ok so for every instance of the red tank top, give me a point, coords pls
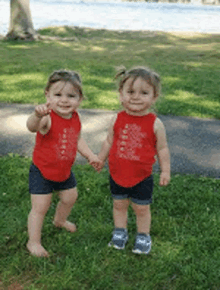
(55, 152)
(131, 157)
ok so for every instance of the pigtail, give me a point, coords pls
(156, 76)
(77, 76)
(157, 84)
(121, 72)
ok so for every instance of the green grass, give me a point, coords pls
(185, 234)
(189, 65)
(185, 215)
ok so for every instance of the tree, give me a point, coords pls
(21, 25)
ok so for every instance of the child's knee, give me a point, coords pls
(121, 204)
(40, 204)
(40, 211)
(141, 210)
(69, 197)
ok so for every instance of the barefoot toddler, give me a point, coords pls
(58, 139)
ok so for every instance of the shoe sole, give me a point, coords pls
(139, 252)
(116, 247)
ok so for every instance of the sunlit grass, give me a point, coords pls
(187, 62)
(190, 103)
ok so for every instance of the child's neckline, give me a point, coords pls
(62, 116)
(137, 116)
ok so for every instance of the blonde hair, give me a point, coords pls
(151, 77)
(66, 76)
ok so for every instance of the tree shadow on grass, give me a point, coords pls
(188, 64)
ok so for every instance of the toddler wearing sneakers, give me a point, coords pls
(134, 138)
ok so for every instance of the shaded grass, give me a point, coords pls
(189, 65)
(185, 233)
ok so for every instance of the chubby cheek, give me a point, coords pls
(123, 99)
(49, 101)
(74, 104)
(77, 101)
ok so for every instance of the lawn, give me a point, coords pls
(185, 233)
(189, 65)
(185, 215)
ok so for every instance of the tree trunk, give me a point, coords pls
(21, 26)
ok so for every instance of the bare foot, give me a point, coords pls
(71, 227)
(37, 250)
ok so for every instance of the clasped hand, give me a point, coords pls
(96, 163)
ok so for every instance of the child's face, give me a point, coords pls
(137, 98)
(63, 98)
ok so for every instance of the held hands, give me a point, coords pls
(42, 110)
(164, 178)
(95, 162)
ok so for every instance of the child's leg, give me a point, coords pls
(120, 212)
(40, 206)
(143, 217)
(120, 234)
(67, 199)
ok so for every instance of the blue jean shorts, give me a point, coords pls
(39, 185)
(141, 193)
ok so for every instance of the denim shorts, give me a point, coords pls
(39, 185)
(140, 193)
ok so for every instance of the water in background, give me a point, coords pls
(117, 15)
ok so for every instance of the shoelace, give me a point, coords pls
(143, 241)
(118, 236)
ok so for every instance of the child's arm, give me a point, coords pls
(106, 146)
(162, 152)
(40, 120)
(86, 152)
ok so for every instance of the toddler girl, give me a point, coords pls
(134, 138)
(58, 139)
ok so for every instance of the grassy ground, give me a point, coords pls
(189, 65)
(185, 233)
(185, 215)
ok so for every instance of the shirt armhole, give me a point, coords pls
(110, 135)
(157, 125)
